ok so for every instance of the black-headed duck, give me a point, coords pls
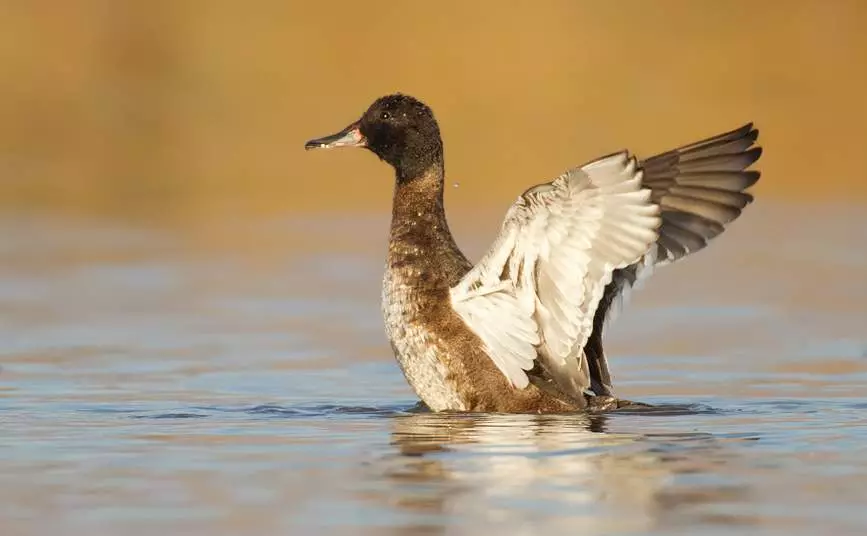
(521, 331)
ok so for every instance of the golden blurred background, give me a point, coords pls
(191, 111)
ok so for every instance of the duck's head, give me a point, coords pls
(399, 129)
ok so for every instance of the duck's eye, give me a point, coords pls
(385, 116)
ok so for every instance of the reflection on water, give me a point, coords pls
(498, 470)
(154, 384)
(551, 473)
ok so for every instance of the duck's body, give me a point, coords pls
(521, 331)
(440, 356)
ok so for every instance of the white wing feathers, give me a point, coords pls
(534, 294)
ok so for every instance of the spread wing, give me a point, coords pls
(700, 189)
(532, 298)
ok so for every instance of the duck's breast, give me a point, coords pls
(407, 308)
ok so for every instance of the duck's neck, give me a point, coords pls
(418, 201)
(420, 234)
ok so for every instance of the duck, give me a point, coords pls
(521, 329)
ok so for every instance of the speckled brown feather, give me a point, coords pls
(423, 264)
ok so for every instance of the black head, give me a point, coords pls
(400, 129)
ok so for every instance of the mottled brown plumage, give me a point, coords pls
(423, 264)
(691, 193)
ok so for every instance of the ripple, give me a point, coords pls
(172, 416)
(315, 410)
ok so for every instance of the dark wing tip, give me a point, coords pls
(755, 153)
(701, 188)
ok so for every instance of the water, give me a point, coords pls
(233, 378)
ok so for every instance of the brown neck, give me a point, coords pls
(419, 231)
(418, 203)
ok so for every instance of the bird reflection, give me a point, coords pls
(538, 472)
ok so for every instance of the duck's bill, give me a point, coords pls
(348, 137)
